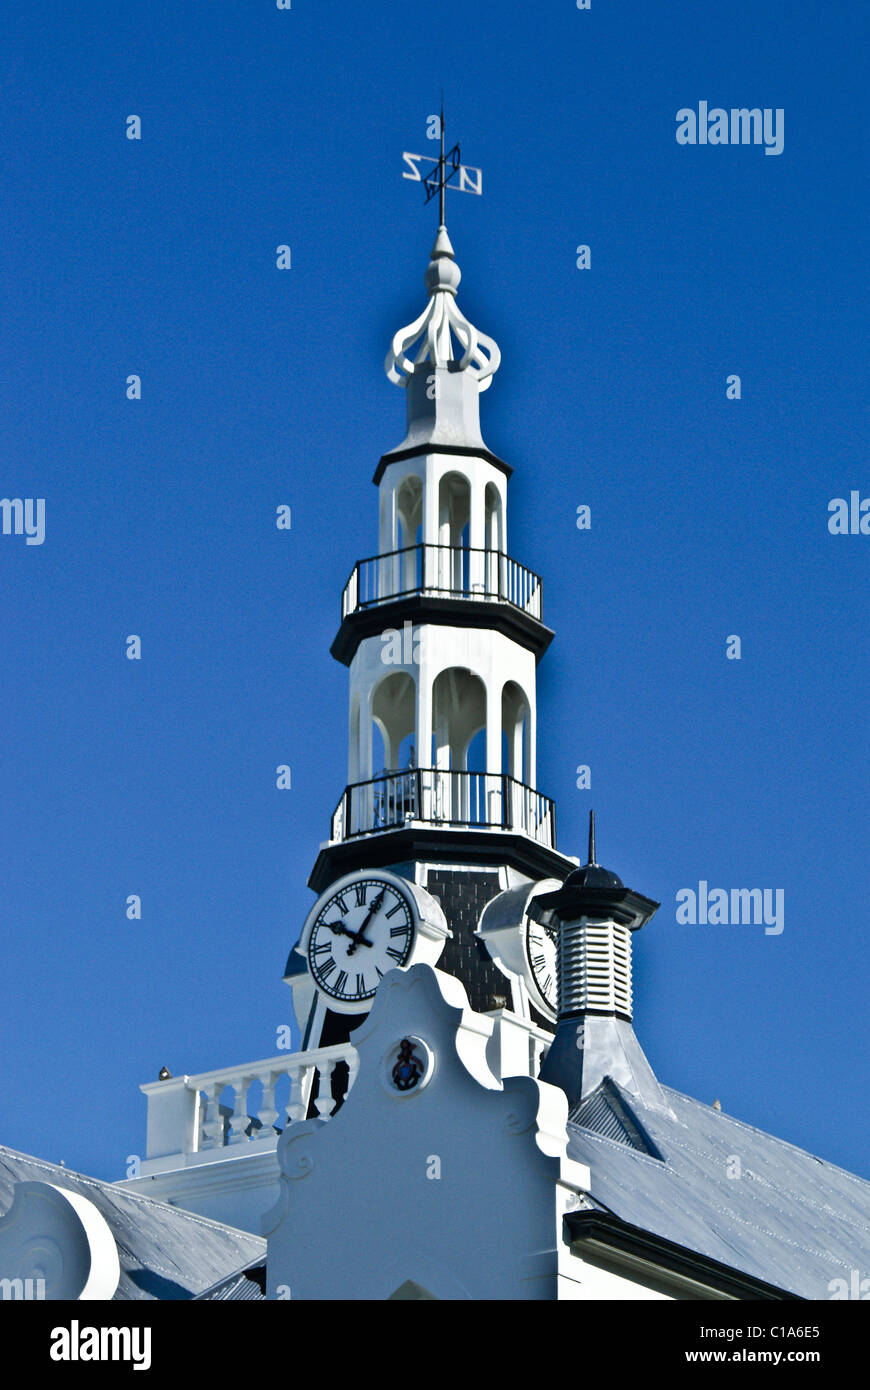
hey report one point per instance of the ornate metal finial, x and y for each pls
(430, 337)
(592, 859)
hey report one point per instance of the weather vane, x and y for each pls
(447, 171)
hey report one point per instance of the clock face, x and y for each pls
(541, 954)
(362, 931)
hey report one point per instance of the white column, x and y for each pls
(494, 791)
(476, 531)
(430, 504)
(493, 725)
(423, 751)
(353, 740)
(423, 738)
(388, 531)
(365, 737)
(519, 771)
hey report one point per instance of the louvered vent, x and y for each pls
(606, 1113)
(595, 968)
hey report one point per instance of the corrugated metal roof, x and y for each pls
(165, 1253)
(731, 1192)
(246, 1286)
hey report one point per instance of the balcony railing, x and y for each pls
(242, 1107)
(442, 571)
(437, 796)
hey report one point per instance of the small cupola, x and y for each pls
(592, 917)
(443, 362)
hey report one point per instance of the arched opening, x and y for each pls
(458, 712)
(458, 715)
(393, 719)
(394, 792)
(516, 739)
(454, 520)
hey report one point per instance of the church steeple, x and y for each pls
(442, 629)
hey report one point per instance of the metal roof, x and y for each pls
(732, 1193)
(247, 1286)
(165, 1253)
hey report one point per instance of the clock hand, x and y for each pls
(359, 938)
(338, 928)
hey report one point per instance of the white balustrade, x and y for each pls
(182, 1129)
(179, 1122)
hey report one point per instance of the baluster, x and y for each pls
(325, 1103)
(239, 1119)
(213, 1125)
(352, 1060)
(267, 1114)
(296, 1105)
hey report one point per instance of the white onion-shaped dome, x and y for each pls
(430, 337)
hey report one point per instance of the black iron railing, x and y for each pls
(438, 796)
(447, 571)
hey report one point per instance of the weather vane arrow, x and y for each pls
(447, 171)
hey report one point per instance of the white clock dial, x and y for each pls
(541, 955)
(363, 930)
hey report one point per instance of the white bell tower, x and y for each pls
(430, 692)
(441, 631)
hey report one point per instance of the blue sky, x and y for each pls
(259, 387)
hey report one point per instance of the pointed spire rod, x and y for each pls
(441, 222)
(592, 859)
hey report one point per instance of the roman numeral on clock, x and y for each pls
(327, 968)
(398, 931)
(394, 954)
(539, 962)
(398, 908)
(361, 894)
(322, 948)
(340, 982)
(360, 984)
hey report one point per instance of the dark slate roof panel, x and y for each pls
(164, 1252)
(789, 1218)
(606, 1112)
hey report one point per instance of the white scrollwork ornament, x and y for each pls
(430, 337)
